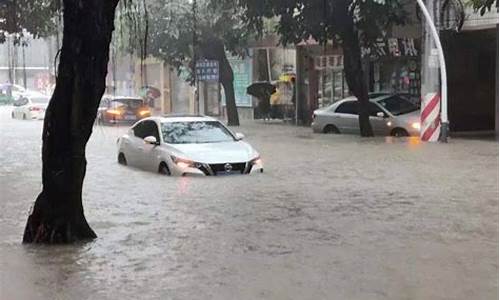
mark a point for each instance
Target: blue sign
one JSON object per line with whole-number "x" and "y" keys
{"x": 207, "y": 70}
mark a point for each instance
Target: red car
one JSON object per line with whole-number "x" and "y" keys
{"x": 125, "y": 110}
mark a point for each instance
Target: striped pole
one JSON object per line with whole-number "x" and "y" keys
{"x": 434, "y": 128}
{"x": 430, "y": 118}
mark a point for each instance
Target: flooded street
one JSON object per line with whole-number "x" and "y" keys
{"x": 332, "y": 217}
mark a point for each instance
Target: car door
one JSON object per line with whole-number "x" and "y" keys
{"x": 346, "y": 117}
{"x": 379, "y": 124}
{"x": 16, "y": 109}
{"x": 134, "y": 145}
{"x": 21, "y": 110}
{"x": 151, "y": 153}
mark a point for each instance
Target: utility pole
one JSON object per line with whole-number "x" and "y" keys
{"x": 24, "y": 44}
{"x": 9, "y": 59}
{"x": 434, "y": 117}
{"x": 195, "y": 59}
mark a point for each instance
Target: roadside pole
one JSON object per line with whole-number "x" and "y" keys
{"x": 434, "y": 117}
{"x": 195, "y": 60}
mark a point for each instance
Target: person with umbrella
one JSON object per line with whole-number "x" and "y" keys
{"x": 149, "y": 94}
{"x": 262, "y": 91}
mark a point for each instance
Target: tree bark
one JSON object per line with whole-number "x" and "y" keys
{"x": 213, "y": 48}
{"x": 58, "y": 216}
{"x": 353, "y": 65}
{"x": 356, "y": 80}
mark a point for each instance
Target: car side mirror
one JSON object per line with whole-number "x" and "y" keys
{"x": 381, "y": 114}
{"x": 151, "y": 140}
{"x": 239, "y": 136}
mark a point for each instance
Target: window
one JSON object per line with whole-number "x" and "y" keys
{"x": 350, "y": 107}
{"x": 139, "y": 130}
{"x": 21, "y": 102}
{"x": 195, "y": 132}
{"x": 398, "y": 105}
{"x": 126, "y": 103}
{"x": 145, "y": 129}
{"x": 104, "y": 102}
{"x": 374, "y": 109}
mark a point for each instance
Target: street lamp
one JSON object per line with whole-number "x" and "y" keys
{"x": 444, "y": 85}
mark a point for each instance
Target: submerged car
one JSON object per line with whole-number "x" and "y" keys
{"x": 117, "y": 110}
{"x": 390, "y": 114}
{"x": 187, "y": 145}
{"x": 30, "y": 106}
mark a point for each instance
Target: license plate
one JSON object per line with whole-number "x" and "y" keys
{"x": 130, "y": 117}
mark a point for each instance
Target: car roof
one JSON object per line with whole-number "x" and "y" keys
{"x": 111, "y": 98}
{"x": 126, "y": 99}
{"x": 181, "y": 118}
{"x": 373, "y": 97}
{"x": 34, "y": 95}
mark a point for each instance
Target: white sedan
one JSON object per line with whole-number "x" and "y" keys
{"x": 30, "y": 106}
{"x": 187, "y": 145}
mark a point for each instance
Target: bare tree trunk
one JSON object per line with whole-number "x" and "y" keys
{"x": 213, "y": 48}
{"x": 58, "y": 216}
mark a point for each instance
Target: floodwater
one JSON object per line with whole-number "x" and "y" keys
{"x": 332, "y": 217}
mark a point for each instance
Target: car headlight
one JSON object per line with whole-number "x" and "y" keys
{"x": 415, "y": 125}
{"x": 144, "y": 113}
{"x": 256, "y": 161}
{"x": 184, "y": 163}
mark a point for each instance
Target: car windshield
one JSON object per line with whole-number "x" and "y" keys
{"x": 40, "y": 99}
{"x": 398, "y": 105}
{"x": 126, "y": 103}
{"x": 195, "y": 132}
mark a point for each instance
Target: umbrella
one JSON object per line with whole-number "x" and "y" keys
{"x": 261, "y": 89}
{"x": 150, "y": 91}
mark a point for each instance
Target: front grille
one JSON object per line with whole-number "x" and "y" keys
{"x": 205, "y": 169}
{"x": 235, "y": 167}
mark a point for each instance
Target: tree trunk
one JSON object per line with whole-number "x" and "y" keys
{"x": 213, "y": 48}
{"x": 227, "y": 80}
{"x": 356, "y": 80}
{"x": 352, "y": 65}
{"x": 57, "y": 216}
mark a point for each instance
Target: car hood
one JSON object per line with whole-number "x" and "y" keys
{"x": 41, "y": 105}
{"x": 411, "y": 117}
{"x": 215, "y": 153}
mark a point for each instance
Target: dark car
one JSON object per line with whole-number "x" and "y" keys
{"x": 116, "y": 110}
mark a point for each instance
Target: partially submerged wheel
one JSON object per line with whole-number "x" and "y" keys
{"x": 163, "y": 169}
{"x": 121, "y": 159}
{"x": 331, "y": 129}
{"x": 399, "y": 132}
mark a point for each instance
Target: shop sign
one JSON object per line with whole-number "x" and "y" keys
{"x": 392, "y": 47}
{"x": 331, "y": 62}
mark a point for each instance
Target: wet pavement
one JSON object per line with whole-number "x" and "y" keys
{"x": 332, "y": 217}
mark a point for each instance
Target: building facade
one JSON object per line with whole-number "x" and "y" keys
{"x": 394, "y": 65}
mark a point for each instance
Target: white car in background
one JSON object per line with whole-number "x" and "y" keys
{"x": 30, "y": 106}
{"x": 187, "y": 145}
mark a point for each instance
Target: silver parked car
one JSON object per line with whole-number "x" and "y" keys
{"x": 390, "y": 114}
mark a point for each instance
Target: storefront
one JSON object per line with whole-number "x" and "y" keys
{"x": 332, "y": 85}
{"x": 277, "y": 66}
{"x": 320, "y": 78}
{"x": 394, "y": 66}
